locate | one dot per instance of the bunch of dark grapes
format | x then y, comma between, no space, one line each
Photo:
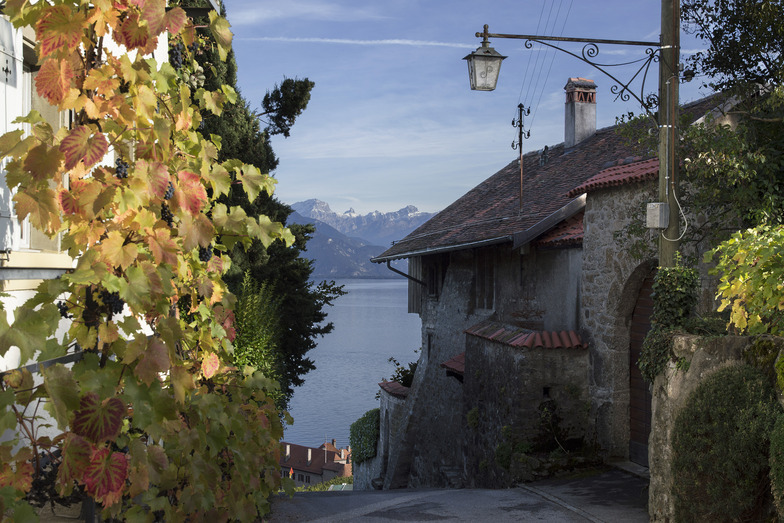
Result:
166,215
175,55
194,47
169,192
112,301
205,254
121,170
63,308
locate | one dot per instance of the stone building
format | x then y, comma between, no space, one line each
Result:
527,300
308,466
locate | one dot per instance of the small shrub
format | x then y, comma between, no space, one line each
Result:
472,418
777,465
324,485
364,436
721,442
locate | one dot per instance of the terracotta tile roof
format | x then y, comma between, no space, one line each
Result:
456,364
624,173
394,388
490,213
298,458
525,338
567,234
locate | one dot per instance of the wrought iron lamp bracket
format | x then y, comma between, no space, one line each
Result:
590,50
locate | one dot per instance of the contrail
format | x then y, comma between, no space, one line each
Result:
415,43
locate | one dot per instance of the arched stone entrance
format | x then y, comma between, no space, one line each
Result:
639,391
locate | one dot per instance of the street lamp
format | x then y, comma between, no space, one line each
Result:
484,64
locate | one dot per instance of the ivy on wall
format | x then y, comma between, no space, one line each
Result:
364,436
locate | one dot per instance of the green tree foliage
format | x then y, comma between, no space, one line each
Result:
721,443
281,268
738,173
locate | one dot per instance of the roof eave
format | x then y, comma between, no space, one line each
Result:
564,213
446,248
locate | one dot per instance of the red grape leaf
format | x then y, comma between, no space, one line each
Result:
210,365
59,27
132,34
191,194
159,179
98,420
54,80
154,13
20,479
76,456
153,361
82,145
175,20
104,477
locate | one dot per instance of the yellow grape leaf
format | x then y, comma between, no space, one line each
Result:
43,162
20,479
195,230
182,381
210,365
116,252
163,247
41,207
159,179
82,145
59,27
220,29
53,81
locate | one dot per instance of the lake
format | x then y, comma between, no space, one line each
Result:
371,324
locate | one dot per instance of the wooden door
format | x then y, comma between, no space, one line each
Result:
640,394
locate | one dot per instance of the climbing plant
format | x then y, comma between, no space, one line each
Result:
154,422
364,435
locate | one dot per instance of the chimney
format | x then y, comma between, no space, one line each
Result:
309,456
580,114
288,452
333,442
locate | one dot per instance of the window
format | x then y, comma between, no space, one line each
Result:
435,271
307,479
301,477
484,278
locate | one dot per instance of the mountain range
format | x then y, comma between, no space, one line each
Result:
343,243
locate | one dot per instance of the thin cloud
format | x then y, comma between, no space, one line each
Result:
256,12
347,41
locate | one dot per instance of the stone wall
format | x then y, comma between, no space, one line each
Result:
611,281
505,389
671,390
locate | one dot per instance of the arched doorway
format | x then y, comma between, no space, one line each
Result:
639,391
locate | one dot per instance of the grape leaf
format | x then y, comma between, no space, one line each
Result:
98,420
175,20
117,253
219,27
210,365
159,179
195,230
41,207
153,361
82,145
105,475
43,162
191,194
163,247
76,456
132,34
54,80
20,479
154,13
59,27
63,393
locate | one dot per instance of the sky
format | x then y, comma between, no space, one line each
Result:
392,120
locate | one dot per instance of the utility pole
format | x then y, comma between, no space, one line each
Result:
669,61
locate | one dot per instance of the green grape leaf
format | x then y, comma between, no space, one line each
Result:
76,457
153,361
63,393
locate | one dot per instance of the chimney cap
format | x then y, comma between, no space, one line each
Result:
580,83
